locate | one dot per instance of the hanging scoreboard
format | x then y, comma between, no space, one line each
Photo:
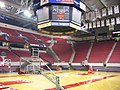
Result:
59,13
59,17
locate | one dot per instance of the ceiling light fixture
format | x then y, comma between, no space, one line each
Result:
27,13
2,4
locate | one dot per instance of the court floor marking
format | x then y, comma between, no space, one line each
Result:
84,82
14,82
2,87
11,76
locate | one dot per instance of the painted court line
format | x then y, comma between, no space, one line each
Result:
14,82
11,76
84,82
2,87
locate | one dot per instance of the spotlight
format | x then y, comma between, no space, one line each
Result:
26,46
27,13
6,44
2,4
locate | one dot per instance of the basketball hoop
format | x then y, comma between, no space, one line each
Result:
3,57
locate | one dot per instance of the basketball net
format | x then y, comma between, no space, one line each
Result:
5,62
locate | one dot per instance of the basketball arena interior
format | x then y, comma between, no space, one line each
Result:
59,44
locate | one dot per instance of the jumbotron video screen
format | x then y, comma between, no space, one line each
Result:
60,13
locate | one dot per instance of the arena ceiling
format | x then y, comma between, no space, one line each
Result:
13,13
99,4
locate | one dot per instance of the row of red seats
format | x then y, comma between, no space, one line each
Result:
99,51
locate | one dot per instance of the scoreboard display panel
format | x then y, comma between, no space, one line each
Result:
76,15
43,14
60,13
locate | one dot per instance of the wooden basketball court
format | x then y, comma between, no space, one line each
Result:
70,80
